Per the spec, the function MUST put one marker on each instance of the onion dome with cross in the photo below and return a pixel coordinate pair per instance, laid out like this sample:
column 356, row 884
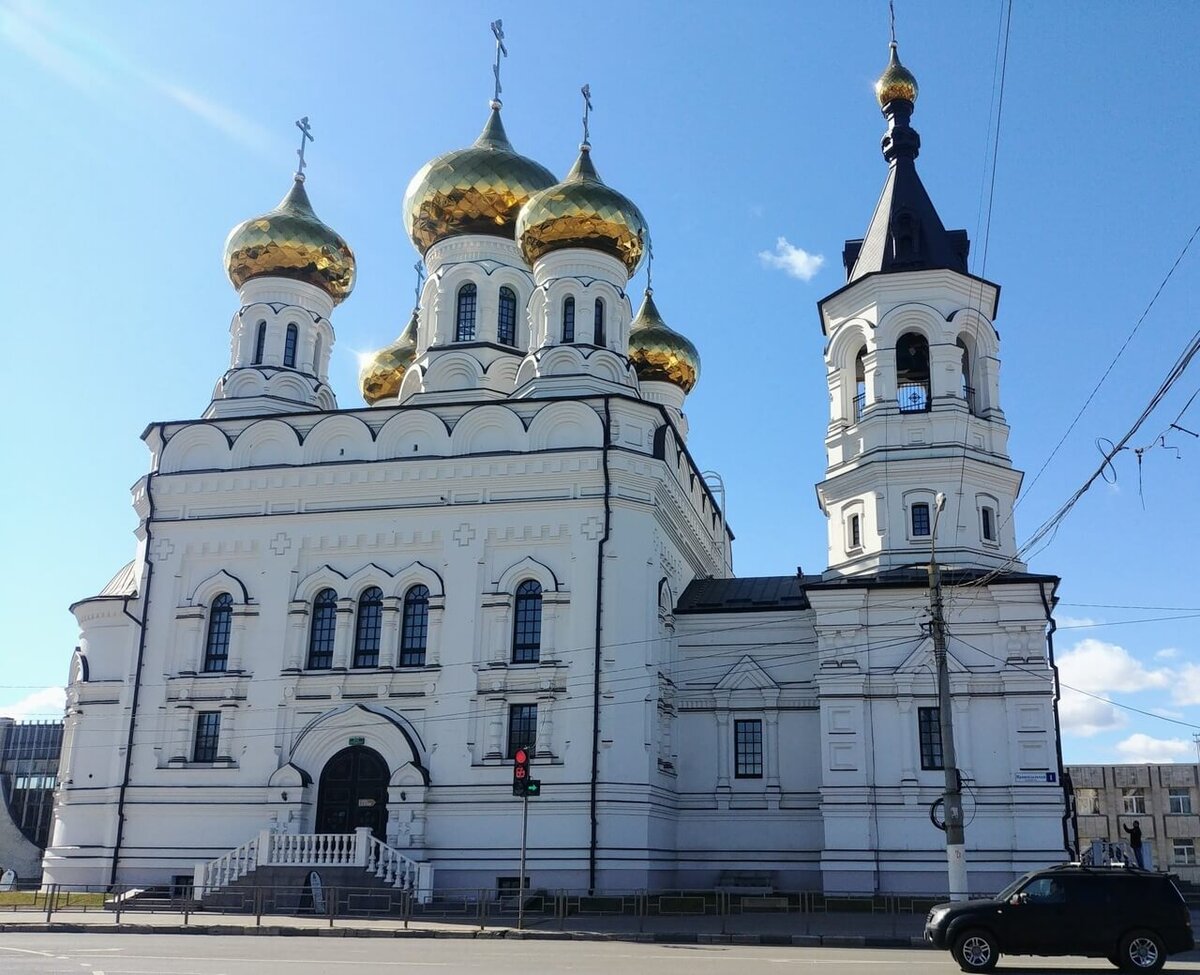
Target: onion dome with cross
column 381, row 374
column 659, row 353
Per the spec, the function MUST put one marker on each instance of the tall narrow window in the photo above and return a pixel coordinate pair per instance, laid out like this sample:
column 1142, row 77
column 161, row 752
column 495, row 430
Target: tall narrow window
column 860, row 383
column 321, row 633
column 598, row 330
column 989, row 523
column 506, row 317
column 929, row 729
column 368, row 628
column 856, row 531
column 216, row 645
column 527, row 627
column 208, row 736
column 920, row 519
column 967, row 391
column 464, row 316
column 414, row 631
column 317, row 350
column 289, row 346
column 748, row 749
column 522, row 728
column 568, row 332
column 260, row 342
column 912, row 373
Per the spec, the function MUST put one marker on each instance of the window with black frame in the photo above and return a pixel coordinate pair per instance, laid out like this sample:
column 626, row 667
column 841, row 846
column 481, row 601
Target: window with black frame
column 527, row 623
column 208, row 736
column 748, row 748
column 220, row 625
column 522, row 728
column 598, row 333
column 920, row 519
column 414, row 629
column 368, row 628
column 506, row 317
column 289, row 346
column 464, row 317
column 929, row 731
column 568, row 322
column 260, row 343
column 322, row 631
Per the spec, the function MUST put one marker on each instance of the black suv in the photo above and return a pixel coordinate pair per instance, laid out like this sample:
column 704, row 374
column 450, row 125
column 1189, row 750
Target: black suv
column 1134, row 918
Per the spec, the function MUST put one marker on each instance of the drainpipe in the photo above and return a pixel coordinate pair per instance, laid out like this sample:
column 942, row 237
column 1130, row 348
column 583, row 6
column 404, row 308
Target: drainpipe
column 596, row 661
column 137, row 677
column 1070, row 824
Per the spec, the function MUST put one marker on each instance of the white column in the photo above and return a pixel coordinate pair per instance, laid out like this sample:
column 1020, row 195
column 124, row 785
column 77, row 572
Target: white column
column 297, row 628
column 722, row 718
column 389, row 637
column 343, row 636
column 433, row 641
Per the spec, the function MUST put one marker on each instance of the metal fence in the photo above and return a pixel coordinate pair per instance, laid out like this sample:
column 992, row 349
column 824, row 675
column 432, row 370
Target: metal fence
column 547, row 909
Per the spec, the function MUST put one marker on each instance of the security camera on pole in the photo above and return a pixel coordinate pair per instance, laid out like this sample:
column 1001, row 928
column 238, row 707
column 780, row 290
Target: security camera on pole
column 956, row 859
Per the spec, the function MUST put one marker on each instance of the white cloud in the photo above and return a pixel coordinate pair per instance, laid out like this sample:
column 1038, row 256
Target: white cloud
column 796, row 261
column 1084, row 716
column 1068, row 622
column 1096, row 666
column 1142, row 748
column 1186, row 687
column 1167, row 653
column 42, row 705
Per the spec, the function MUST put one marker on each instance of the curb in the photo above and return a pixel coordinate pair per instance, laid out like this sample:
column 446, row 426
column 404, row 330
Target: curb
column 659, row 937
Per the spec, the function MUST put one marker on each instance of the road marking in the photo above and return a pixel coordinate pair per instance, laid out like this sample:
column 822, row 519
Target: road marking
column 30, row 951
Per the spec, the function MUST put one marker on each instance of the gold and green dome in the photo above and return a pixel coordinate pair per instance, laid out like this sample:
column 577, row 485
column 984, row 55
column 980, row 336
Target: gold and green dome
column 896, row 82
column 582, row 211
column 291, row 242
column 381, row 375
column 478, row 190
column 658, row 353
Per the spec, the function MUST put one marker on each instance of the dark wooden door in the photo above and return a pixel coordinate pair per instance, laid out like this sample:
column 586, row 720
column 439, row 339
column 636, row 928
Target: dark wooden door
column 353, row 793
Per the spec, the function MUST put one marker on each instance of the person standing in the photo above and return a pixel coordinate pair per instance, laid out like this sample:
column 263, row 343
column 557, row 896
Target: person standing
column 1135, row 842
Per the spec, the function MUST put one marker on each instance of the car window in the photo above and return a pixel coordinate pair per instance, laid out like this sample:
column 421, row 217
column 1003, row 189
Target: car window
column 1045, row 890
column 1012, row 888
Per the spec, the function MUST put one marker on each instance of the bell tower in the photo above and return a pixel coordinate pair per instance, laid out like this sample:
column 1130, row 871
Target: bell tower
column 912, row 361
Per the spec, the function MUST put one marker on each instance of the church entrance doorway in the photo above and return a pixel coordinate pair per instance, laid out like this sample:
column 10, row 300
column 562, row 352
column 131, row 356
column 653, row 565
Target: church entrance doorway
column 353, row 793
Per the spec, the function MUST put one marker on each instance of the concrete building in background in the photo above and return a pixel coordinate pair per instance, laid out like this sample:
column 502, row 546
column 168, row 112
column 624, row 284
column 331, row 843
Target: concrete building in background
column 343, row 622
column 1163, row 799
column 29, row 754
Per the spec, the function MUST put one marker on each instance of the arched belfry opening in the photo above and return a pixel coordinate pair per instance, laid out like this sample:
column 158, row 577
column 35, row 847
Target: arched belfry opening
column 353, row 792
column 912, row 373
column 860, row 383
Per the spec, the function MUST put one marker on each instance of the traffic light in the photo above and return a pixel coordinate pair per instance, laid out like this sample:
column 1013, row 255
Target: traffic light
column 533, row 787
column 520, row 771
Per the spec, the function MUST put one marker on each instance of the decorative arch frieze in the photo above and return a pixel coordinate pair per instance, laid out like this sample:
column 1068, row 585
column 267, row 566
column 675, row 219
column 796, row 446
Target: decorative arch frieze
column 198, row 447
column 267, row 443
column 488, row 429
column 414, row 433
column 219, row 582
column 565, row 424
column 339, row 438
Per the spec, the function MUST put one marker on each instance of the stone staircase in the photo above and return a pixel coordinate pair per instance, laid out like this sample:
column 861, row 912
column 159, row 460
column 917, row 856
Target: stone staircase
column 279, row 862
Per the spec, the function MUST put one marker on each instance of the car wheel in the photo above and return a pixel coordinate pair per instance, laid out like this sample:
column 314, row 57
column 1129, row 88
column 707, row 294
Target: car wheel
column 976, row 951
column 1142, row 951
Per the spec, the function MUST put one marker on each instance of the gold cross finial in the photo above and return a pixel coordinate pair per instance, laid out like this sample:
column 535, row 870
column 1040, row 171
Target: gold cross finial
column 586, row 91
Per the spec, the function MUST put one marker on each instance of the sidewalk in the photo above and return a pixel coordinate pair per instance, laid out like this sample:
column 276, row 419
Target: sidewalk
column 811, row 930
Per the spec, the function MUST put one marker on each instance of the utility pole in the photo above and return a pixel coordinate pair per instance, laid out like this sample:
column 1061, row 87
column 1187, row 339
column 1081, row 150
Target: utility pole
column 956, row 860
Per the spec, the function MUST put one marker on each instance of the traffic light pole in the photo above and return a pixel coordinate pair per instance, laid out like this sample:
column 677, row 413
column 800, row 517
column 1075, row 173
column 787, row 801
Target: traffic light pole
column 956, row 860
column 521, row 876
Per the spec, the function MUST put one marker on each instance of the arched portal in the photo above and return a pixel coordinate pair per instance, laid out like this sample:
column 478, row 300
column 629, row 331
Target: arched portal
column 353, row 792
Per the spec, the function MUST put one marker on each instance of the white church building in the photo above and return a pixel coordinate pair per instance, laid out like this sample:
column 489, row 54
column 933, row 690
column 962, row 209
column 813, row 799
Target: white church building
column 339, row 623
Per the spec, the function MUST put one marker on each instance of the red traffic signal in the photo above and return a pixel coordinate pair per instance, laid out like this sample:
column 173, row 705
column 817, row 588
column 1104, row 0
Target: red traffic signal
column 520, row 771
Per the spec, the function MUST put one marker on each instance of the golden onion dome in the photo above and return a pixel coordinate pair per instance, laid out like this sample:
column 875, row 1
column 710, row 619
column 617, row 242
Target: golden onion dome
column 380, row 377
column 582, row 211
column 896, row 82
column 660, row 354
column 290, row 242
column 478, row 190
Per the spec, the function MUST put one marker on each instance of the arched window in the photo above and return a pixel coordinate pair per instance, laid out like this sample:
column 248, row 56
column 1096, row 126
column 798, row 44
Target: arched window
column 289, row 346
column 598, row 330
column 321, row 633
column 966, row 390
column 527, row 626
column 912, row 373
column 860, row 383
column 464, row 318
column 368, row 627
column 216, row 645
column 506, row 317
column 260, row 342
column 920, row 519
column 317, row 350
column 414, row 631
column 568, row 332
column 856, row 531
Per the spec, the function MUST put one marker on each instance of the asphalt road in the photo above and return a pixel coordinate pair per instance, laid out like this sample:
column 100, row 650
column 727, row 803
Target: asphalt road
column 132, row 954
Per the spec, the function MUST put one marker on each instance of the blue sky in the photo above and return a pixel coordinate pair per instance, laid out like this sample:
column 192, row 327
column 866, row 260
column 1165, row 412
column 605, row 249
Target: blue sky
column 137, row 134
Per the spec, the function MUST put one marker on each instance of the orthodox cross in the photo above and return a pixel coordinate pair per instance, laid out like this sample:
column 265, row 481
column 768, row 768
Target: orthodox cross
column 305, row 136
column 649, row 264
column 501, row 51
column 586, row 91
column 419, row 267
column 892, row 18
